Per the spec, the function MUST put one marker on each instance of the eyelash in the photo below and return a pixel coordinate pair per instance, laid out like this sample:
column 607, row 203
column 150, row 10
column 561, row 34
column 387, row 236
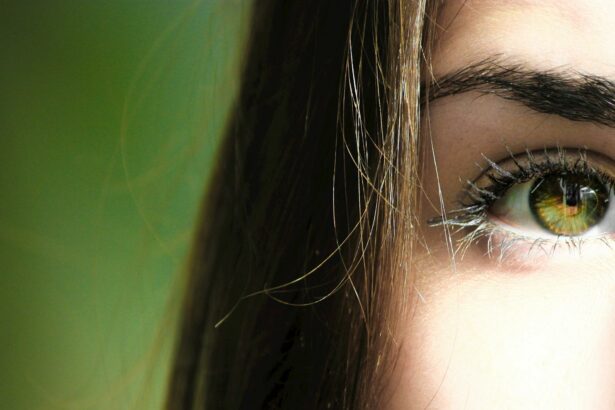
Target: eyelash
column 472, row 217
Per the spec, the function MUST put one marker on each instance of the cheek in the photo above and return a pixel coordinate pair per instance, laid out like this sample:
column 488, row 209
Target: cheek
column 487, row 339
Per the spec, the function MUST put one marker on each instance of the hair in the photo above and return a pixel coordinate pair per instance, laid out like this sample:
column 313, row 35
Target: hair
column 300, row 267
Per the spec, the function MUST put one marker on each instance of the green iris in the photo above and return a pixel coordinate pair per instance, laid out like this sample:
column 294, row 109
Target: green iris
column 568, row 204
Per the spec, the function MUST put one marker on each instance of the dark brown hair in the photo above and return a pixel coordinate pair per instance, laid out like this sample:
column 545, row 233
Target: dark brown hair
column 300, row 265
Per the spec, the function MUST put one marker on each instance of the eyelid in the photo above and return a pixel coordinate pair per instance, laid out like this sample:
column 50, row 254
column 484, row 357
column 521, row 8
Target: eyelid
column 474, row 218
column 520, row 168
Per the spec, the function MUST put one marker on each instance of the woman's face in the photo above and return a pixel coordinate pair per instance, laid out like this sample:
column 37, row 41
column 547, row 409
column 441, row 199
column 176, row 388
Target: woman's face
column 525, row 318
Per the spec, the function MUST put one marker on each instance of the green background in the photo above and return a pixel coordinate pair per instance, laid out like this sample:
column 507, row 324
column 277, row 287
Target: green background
column 110, row 112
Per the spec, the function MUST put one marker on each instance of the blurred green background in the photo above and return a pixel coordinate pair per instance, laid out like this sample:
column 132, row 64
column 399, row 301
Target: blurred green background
column 110, row 113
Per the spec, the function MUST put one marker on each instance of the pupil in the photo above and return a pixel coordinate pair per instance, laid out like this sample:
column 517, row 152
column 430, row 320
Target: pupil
column 568, row 204
column 572, row 194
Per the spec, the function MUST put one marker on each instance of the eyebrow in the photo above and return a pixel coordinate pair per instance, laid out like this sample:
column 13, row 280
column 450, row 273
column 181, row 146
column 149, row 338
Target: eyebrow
column 564, row 92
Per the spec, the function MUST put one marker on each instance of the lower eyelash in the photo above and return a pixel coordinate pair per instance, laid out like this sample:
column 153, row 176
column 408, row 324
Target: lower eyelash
column 472, row 217
column 500, row 242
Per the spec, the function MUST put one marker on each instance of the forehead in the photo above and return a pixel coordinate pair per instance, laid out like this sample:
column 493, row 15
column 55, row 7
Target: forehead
column 545, row 34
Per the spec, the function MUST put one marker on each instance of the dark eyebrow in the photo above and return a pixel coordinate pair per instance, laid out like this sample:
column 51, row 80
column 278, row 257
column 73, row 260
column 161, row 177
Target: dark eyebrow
column 564, row 92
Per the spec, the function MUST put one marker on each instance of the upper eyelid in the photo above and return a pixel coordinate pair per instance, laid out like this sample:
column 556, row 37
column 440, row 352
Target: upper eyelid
column 494, row 179
column 482, row 186
column 528, row 162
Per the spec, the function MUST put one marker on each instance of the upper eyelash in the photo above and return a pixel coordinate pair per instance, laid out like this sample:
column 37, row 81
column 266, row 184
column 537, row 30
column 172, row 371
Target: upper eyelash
column 475, row 201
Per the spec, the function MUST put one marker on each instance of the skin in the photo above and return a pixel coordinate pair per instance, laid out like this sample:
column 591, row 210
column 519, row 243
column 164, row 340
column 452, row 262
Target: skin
column 534, row 330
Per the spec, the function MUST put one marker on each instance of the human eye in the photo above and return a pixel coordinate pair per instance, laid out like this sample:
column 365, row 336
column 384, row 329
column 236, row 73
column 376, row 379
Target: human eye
column 537, row 200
